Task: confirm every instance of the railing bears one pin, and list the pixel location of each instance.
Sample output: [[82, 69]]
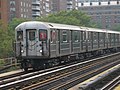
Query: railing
[[8, 63]]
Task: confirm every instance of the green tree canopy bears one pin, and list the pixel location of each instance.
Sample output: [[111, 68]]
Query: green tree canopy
[[73, 17], [7, 37], [5, 41], [16, 22], [116, 27]]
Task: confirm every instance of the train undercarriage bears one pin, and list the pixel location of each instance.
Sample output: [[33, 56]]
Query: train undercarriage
[[37, 64]]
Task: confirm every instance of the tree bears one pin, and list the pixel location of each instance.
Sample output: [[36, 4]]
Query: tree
[[73, 17], [116, 28], [5, 40], [7, 37], [16, 22]]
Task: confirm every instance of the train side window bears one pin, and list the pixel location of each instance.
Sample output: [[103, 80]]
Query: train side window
[[64, 36], [32, 35], [20, 35], [94, 36], [42, 35], [109, 37], [53, 36], [76, 36], [89, 36], [116, 37], [112, 37], [83, 36]]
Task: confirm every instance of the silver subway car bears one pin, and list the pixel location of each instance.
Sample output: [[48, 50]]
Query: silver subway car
[[41, 44]]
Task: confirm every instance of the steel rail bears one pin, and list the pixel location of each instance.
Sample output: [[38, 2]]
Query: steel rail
[[62, 74], [43, 75], [111, 85], [52, 80], [69, 83], [22, 75]]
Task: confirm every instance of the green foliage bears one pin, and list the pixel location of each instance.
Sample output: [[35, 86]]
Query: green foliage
[[5, 43], [2, 62], [73, 17], [116, 28], [16, 22], [7, 37]]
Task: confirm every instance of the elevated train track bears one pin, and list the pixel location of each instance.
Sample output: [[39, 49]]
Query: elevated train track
[[106, 80], [63, 78]]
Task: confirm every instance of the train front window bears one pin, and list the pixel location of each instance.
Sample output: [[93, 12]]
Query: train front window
[[42, 35], [20, 35], [32, 35]]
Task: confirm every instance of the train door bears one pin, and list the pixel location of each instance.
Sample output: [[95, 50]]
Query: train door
[[83, 40], [58, 42], [53, 43], [43, 41], [71, 41], [31, 43]]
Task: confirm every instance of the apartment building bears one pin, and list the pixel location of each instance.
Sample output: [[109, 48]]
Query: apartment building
[[3, 11], [59, 5], [10, 9], [95, 0], [31, 9], [45, 6], [36, 8], [105, 14]]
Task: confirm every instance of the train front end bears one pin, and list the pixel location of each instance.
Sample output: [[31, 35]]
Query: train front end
[[32, 44]]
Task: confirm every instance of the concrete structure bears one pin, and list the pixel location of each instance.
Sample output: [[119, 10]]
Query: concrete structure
[[106, 14], [10, 9]]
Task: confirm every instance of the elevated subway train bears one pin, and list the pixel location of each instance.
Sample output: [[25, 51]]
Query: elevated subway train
[[43, 44]]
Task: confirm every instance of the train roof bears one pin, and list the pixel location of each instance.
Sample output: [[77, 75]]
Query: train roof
[[110, 31], [46, 25], [63, 26]]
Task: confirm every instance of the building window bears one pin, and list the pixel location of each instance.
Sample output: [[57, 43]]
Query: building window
[[24, 4], [12, 9], [22, 15], [21, 3], [12, 3]]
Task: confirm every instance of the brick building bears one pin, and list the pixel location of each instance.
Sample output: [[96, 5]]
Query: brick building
[[105, 14], [10, 9], [3, 11], [45, 7], [59, 5], [31, 9]]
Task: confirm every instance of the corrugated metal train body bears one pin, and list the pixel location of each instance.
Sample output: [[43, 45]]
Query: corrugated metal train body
[[42, 40]]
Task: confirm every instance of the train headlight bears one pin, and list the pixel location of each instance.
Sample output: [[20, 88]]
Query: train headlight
[[40, 51], [22, 51]]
